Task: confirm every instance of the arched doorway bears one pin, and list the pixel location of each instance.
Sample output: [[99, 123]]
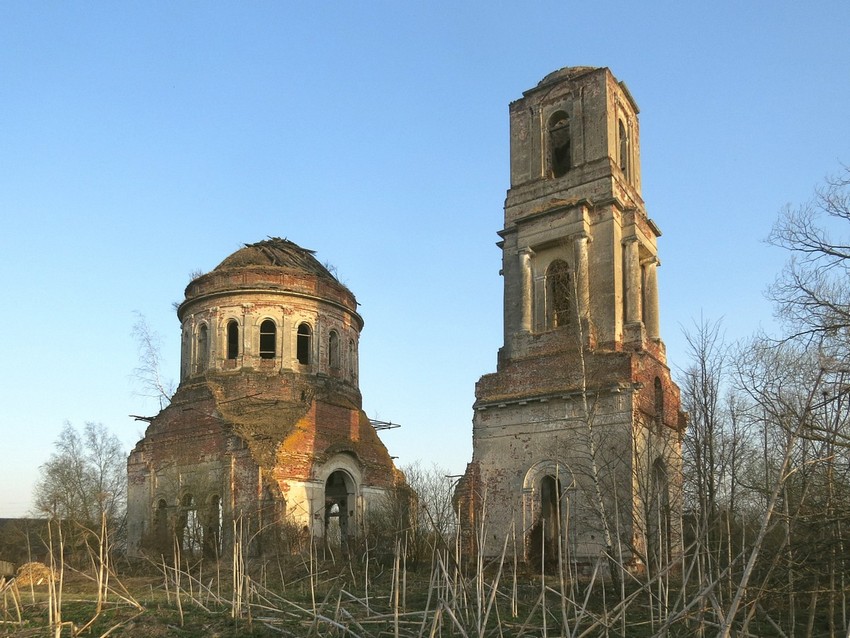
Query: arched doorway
[[339, 507], [545, 541], [548, 490]]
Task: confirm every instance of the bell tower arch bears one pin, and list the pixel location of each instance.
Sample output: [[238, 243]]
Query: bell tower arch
[[582, 359]]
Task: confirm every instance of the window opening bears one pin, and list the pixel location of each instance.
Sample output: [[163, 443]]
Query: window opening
[[624, 149], [305, 337], [558, 293], [203, 348], [352, 364], [232, 339], [333, 350], [268, 339], [560, 144], [191, 530]]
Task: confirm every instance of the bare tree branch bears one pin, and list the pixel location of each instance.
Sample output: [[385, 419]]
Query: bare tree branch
[[149, 371]]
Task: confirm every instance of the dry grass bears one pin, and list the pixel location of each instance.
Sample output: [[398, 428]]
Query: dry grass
[[354, 592]]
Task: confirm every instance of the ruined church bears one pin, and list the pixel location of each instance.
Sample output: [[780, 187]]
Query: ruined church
[[266, 424], [577, 435]]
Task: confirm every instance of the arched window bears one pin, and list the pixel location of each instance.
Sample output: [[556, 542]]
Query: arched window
[[304, 343], [232, 339], [560, 144], [623, 138], [203, 358], [352, 362], [333, 350], [339, 506], [558, 294], [268, 339], [191, 531]]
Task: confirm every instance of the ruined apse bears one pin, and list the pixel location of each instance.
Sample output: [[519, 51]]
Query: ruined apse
[[577, 435], [266, 425]]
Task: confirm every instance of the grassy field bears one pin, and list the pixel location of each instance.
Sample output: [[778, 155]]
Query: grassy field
[[316, 595], [364, 594]]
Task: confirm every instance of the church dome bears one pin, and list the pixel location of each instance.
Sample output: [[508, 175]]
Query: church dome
[[276, 253], [567, 72], [270, 306], [273, 265]]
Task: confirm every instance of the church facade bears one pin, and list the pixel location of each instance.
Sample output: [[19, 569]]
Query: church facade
[[577, 435], [266, 425]]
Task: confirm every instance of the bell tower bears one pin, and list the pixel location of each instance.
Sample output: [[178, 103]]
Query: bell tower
[[577, 433], [574, 216]]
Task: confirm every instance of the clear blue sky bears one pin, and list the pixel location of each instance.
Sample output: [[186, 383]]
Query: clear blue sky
[[141, 141]]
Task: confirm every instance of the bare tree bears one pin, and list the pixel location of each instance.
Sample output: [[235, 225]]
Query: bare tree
[[711, 449], [433, 488], [149, 371], [83, 489], [85, 476], [766, 450], [811, 293], [702, 400]]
